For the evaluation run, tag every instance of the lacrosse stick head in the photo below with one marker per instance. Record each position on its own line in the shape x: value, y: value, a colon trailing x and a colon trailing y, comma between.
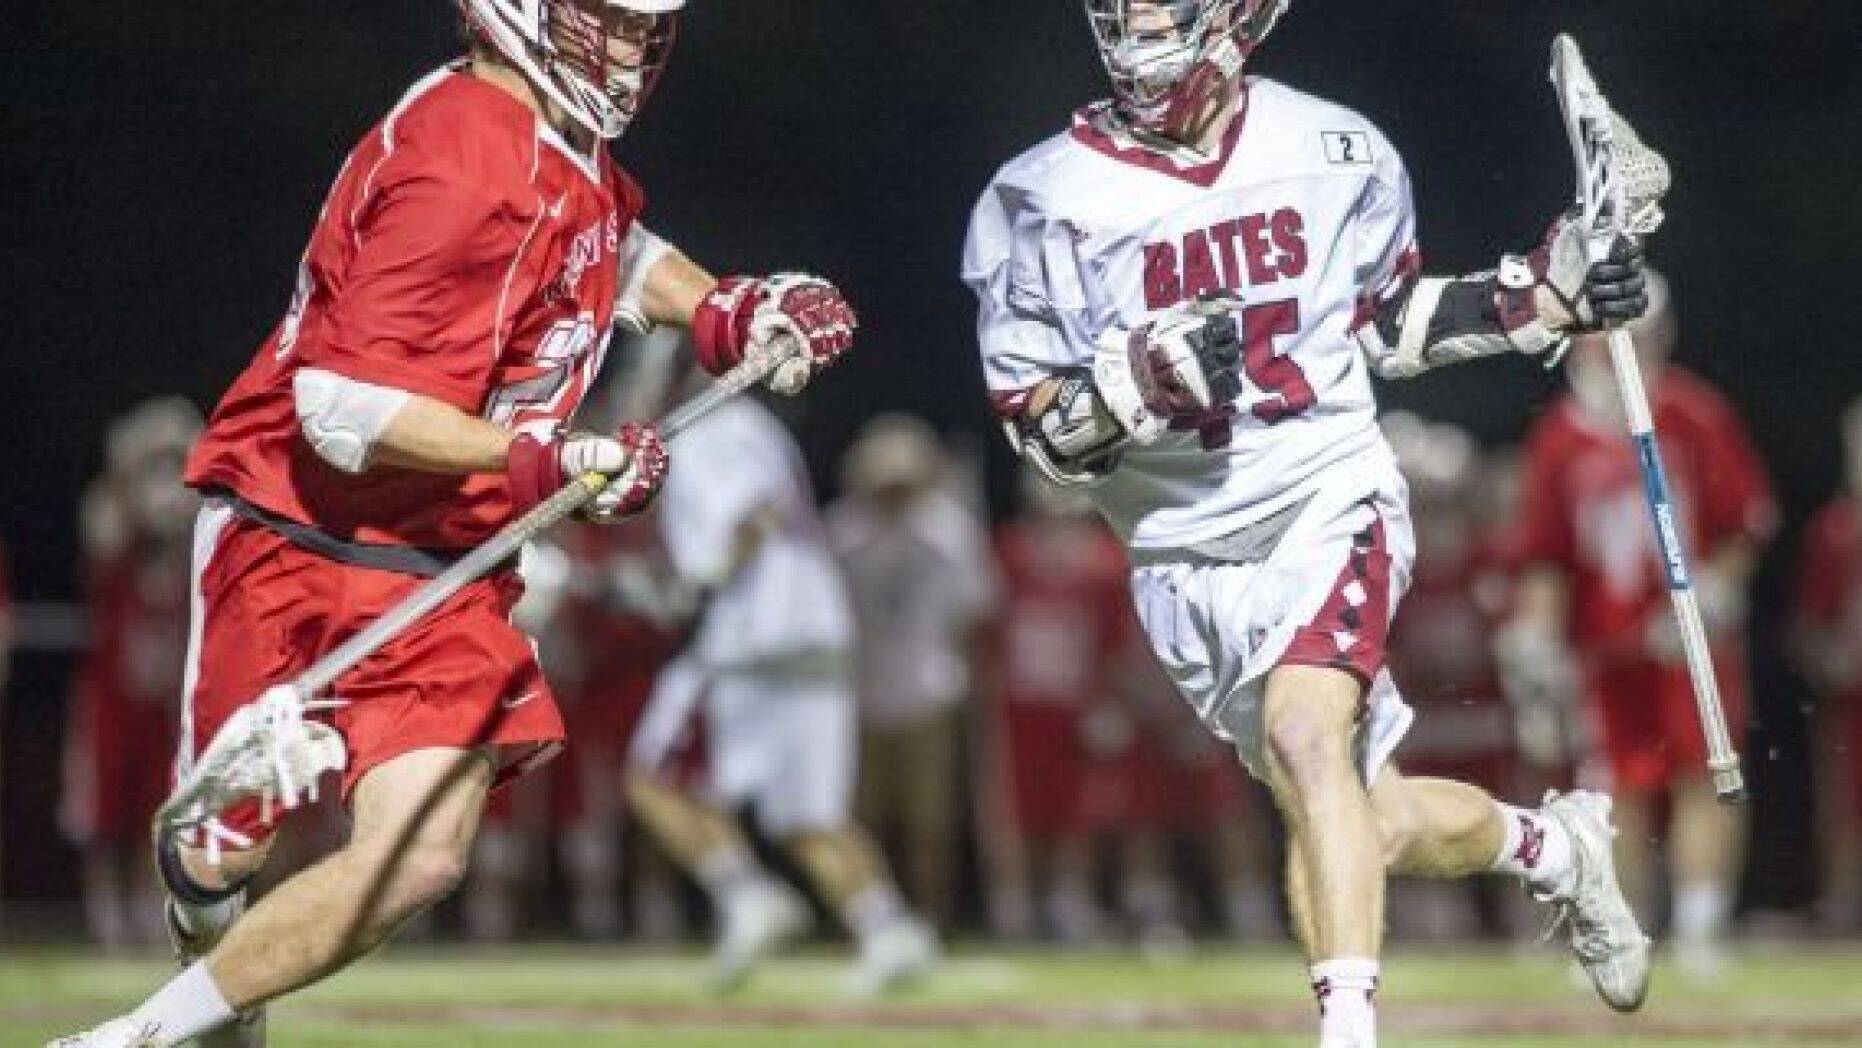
x: 266, y: 751
x: 1621, y: 181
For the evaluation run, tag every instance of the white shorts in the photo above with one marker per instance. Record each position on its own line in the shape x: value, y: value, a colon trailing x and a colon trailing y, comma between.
x: 1321, y: 595
x: 786, y: 747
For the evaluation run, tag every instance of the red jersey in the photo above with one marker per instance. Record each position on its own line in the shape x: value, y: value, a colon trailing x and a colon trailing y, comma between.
x: 1585, y: 513
x: 1829, y: 582
x: 1066, y: 613
x: 466, y: 253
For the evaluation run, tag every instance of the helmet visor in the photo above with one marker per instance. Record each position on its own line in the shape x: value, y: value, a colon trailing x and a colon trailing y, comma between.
x: 1149, y: 46
x: 610, y: 56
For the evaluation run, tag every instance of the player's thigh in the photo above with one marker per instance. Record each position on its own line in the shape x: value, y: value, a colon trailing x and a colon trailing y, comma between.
x: 745, y: 733
x: 424, y: 806
x: 1310, y: 715
x: 815, y: 788
x: 930, y: 775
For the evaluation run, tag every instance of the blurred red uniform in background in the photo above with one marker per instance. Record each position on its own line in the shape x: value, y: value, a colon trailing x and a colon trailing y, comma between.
x: 1586, y: 515
x: 1828, y: 635
x: 126, y: 693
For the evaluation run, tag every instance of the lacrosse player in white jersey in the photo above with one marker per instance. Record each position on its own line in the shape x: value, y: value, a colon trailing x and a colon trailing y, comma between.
x: 1184, y: 297
x: 771, y: 662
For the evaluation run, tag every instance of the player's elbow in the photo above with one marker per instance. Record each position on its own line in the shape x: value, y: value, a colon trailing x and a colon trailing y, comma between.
x: 341, y: 418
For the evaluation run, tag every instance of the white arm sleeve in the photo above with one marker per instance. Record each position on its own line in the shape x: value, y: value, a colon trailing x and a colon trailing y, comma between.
x: 1032, y: 313
x: 639, y: 253
x: 342, y: 418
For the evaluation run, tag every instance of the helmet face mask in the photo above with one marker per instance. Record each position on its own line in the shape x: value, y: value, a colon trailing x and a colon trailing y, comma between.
x: 1168, y: 58
x: 597, y: 60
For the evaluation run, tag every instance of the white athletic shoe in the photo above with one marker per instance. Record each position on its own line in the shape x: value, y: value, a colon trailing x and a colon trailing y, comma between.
x: 193, y: 938
x: 753, y: 922
x: 1605, y: 938
x: 894, y: 956
x: 117, y: 1033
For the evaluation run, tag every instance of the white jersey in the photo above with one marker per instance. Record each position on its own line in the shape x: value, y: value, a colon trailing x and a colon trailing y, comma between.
x: 1305, y: 213
x: 787, y: 600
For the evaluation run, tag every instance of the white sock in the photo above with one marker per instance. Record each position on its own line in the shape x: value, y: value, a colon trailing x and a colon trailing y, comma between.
x: 874, y: 909
x: 1537, y: 849
x: 190, y: 1005
x: 1346, y: 989
x: 1701, y: 910
x: 728, y: 869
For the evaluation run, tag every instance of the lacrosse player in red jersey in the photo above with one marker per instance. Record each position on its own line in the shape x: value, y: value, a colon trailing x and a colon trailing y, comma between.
x: 454, y: 303
x: 1827, y: 636
x: 134, y: 523
x: 1592, y: 594
x: 1184, y: 298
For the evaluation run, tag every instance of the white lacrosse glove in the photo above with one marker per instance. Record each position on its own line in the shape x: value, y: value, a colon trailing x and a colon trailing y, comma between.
x: 1540, y: 684
x: 1594, y: 295
x: 1181, y: 371
x: 790, y: 312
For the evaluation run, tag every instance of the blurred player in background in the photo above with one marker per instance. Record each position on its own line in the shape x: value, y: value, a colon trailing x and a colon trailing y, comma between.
x: 134, y: 522
x: 6, y: 678
x: 1183, y: 299
x: 770, y: 665
x: 607, y: 616
x: 919, y: 573
x: 1593, y: 590
x: 608, y: 612
x: 1187, y: 787
x: 1828, y: 644
x: 452, y: 309
x: 1441, y: 654
x: 1056, y: 767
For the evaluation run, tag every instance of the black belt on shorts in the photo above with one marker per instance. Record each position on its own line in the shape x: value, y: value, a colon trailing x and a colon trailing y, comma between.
x: 405, y: 560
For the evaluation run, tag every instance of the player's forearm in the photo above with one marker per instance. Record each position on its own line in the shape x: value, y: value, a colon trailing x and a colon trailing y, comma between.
x: 673, y: 289
x: 434, y: 437
x: 1734, y: 563
x: 1541, y: 598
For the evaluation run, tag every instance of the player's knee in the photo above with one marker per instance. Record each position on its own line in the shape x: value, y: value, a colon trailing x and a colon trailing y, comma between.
x: 1400, y: 827
x: 1308, y: 748
x: 427, y: 875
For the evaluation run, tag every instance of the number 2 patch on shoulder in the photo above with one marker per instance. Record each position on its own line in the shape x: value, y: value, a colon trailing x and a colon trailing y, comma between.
x: 1351, y: 148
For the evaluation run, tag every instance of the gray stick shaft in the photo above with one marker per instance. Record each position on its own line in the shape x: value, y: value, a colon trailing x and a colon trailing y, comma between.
x: 1722, y: 756
x: 500, y: 547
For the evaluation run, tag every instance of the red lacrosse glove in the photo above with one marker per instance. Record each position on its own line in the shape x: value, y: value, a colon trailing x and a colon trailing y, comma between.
x: 634, y: 458
x: 742, y: 312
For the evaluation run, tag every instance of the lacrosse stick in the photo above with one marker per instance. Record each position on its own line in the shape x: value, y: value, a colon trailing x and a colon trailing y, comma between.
x: 270, y: 750
x: 1621, y: 182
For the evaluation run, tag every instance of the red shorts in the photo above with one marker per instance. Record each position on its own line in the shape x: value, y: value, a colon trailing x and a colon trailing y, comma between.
x: 1060, y: 787
x: 117, y: 759
x: 461, y: 678
x: 587, y: 778
x: 1648, y: 722
x: 1350, y: 631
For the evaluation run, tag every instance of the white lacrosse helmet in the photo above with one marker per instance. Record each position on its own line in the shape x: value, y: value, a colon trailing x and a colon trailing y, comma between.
x: 597, y: 59
x: 1168, y: 57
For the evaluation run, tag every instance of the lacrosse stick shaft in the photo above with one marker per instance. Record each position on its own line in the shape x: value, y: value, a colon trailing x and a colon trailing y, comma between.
x: 500, y: 547
x: 1722, y: 758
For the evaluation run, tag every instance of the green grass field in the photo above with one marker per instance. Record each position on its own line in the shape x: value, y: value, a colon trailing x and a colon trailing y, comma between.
x: 570, y: 998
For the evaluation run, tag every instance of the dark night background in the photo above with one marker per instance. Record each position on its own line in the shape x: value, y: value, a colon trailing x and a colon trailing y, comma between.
x: 163, y: 163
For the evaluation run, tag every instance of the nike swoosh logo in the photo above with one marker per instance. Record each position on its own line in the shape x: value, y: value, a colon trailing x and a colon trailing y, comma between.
x: 511, y: 704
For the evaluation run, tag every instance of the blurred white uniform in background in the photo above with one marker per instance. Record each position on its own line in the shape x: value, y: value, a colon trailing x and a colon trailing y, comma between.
x: 772, y: 655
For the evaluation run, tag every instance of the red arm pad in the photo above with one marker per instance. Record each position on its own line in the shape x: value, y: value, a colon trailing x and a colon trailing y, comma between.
x: 721, y: 324
x: 533, y: 470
